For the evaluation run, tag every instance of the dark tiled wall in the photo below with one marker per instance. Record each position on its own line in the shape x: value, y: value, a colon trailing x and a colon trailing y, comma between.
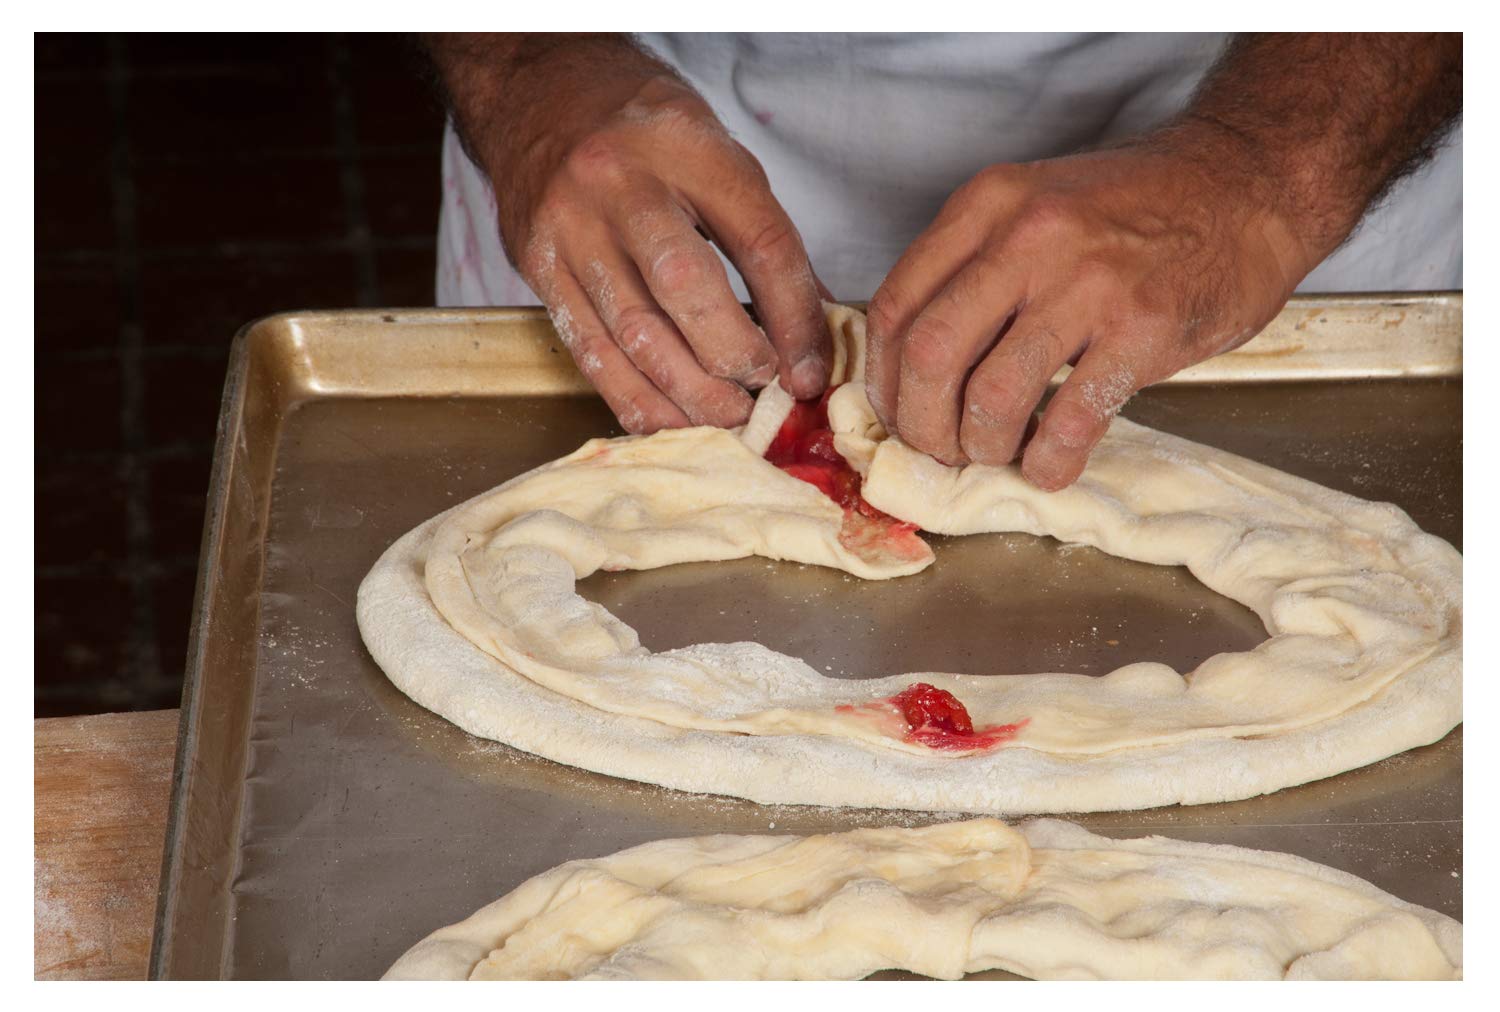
x: 187, y: 184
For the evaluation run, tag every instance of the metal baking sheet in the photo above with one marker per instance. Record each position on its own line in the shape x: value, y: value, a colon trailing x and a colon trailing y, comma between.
x: 322, y: 822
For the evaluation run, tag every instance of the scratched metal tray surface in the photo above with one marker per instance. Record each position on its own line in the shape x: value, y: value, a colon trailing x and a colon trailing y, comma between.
x: 322, y: 822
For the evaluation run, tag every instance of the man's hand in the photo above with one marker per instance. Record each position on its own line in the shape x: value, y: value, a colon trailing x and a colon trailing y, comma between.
x: 611, y: 176
x: 1134, y: 262
x: 1131, y: 263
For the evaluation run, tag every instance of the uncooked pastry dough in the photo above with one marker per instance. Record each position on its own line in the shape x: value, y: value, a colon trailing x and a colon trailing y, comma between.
x: 474, y: 615
x: 1048, y: 901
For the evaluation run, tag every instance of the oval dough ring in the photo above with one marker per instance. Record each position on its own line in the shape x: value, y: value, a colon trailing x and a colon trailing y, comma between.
x: 475, y: 616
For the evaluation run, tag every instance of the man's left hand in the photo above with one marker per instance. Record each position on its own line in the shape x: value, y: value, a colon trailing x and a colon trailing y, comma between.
x: 1129, y: 263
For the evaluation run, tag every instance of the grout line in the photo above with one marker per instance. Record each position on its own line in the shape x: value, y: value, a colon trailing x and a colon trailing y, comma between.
x: 351, y: 179
x: 142, y: 663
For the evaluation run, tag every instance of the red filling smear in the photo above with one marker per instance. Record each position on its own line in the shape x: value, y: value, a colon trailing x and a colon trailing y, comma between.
x: 935, y: 718
x: 803, y: 448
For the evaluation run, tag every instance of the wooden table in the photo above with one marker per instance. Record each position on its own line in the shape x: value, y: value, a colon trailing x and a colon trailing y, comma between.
x: 102, y: 786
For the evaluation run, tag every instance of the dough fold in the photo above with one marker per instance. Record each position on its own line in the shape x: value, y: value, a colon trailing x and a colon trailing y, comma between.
x: 1048, y: 900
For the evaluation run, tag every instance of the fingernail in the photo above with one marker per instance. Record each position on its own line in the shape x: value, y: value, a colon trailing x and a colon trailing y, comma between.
x: 809, y: 376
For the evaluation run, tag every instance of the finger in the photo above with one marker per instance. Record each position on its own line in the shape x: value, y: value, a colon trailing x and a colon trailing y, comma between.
x: 942, y: 346
x: 1006, y: 387
x: 928, y: 264
x: 653, y: 344
x: 640, y: 407
x: 760, y: 240
x: 687, y: 279
x: 1077, y: 418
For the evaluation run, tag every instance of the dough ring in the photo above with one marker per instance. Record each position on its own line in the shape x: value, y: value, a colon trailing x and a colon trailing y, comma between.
x: 1048, y: 901
x: 474, y: 614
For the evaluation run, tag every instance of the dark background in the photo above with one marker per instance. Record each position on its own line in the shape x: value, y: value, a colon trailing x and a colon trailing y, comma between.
x: 185, y: 185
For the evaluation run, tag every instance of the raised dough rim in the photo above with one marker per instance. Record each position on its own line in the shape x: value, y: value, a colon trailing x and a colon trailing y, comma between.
x: 442, y: 671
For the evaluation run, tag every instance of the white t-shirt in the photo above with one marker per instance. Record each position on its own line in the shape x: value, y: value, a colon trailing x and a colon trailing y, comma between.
x: 864, y: 137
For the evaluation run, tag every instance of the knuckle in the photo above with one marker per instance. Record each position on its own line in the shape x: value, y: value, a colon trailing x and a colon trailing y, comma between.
x: 638, y: 328
x: 1044, y: 218
x: 586, y: 353
x: 743, y: 172
x: 677, y: 387
x: 769, y: 244
x: 679, y: 268
x: 563, y: 326
x: 640, y: 415
x: 984, y: 187
x: 1099, y: 278
x: 596, y: 159
x: 932, y: 347
x: 970, y: 287
x: 755, y: 172
x: 1073, y: 425
x: 1038, y: 352
x: 998, y: 175
x: 883, y: 315
x: 640, y: 343
x: 995, y: 399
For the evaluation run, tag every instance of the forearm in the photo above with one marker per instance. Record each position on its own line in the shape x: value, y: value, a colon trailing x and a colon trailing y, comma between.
x: 1328, y: 122
x: 513, y: 95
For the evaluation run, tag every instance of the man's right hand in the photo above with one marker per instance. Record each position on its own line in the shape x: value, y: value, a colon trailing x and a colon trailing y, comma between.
x: 611, y: 175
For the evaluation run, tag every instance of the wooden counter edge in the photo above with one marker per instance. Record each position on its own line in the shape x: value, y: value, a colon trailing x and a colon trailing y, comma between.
x: 102, y: 789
